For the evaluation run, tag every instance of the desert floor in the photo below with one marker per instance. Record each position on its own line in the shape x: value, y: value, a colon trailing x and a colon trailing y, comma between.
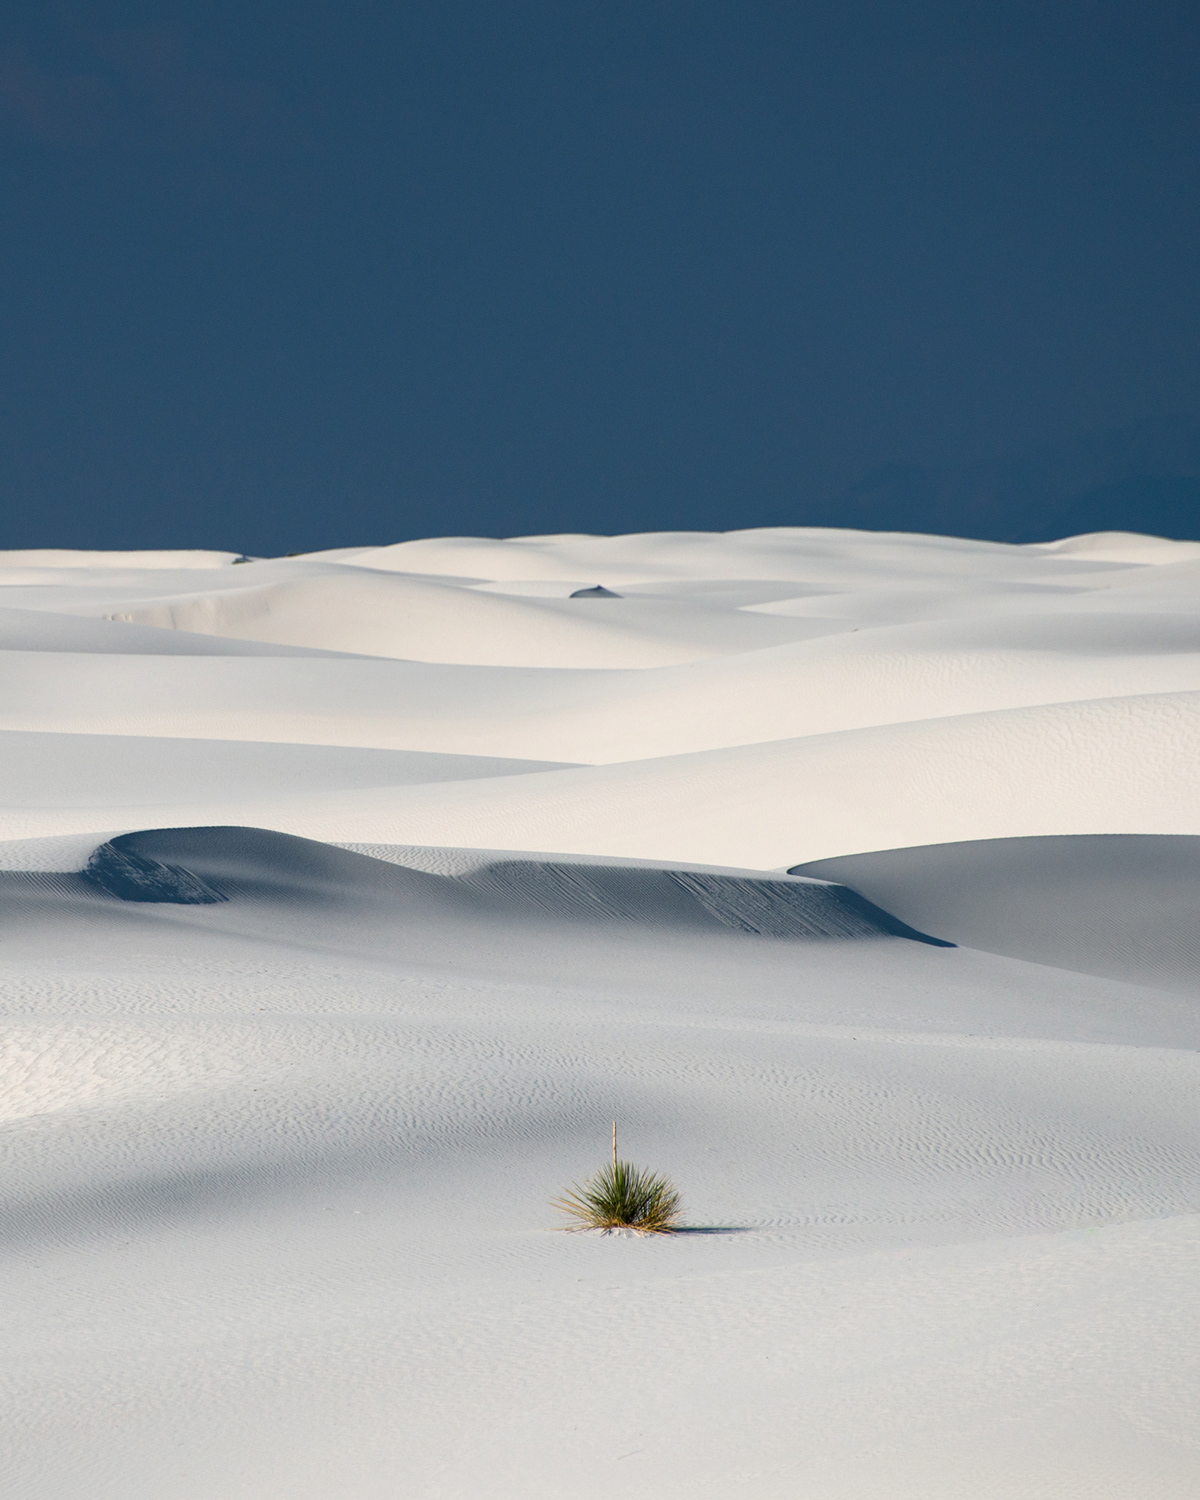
x: 346, y: 899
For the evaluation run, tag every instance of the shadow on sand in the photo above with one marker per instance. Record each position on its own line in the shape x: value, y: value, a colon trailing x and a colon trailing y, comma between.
x: 715, y: 1229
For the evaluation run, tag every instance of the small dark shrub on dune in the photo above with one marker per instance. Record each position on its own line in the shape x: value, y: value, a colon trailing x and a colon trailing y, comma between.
x: 622, y: 1196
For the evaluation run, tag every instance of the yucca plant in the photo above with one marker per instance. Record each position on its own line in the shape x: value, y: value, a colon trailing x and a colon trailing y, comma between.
x: 622, y: 1196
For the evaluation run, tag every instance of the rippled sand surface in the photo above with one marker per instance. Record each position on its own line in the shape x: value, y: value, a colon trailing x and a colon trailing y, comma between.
x: 346, y: 899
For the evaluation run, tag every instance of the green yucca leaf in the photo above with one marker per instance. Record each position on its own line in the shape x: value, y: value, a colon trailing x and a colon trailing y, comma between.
x: 622, y: 1196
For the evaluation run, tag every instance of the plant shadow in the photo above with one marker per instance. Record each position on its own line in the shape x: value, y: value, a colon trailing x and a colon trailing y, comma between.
x: 714, y: 1229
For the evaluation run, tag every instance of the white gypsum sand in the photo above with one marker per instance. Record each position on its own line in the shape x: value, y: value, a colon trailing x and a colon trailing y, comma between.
x: 346, y: 899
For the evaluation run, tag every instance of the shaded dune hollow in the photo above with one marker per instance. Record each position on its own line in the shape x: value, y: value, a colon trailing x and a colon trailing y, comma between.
x: 207, y: 866
x: 1119, y: 906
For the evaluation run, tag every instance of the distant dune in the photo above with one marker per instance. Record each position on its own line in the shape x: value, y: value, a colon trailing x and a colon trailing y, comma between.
x: 346, y: 899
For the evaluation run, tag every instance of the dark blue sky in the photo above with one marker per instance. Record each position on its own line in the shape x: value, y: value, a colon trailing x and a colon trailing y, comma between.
x: 275, y: 278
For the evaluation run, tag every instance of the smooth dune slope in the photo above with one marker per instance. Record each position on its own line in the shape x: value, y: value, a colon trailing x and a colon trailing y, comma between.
x: 1126, y: 907
x: 346, y: 899
x: 1121, y: 765
x: 554, y: 678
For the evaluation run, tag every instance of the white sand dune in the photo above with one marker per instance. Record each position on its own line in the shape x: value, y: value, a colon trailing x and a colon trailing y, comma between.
x: 1120, y: 765
x: 346, y: 899
x: 1117, y: 905
x: 503, y: 686
x: 57, y: 772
